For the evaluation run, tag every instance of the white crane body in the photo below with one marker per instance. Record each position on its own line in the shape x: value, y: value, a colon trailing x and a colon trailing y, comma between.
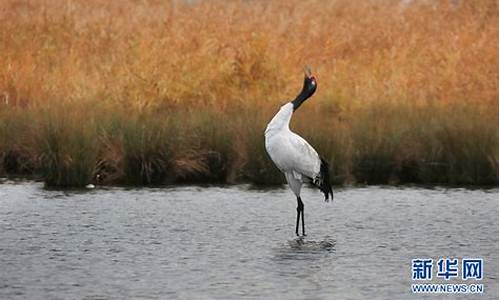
x: 290, y: 152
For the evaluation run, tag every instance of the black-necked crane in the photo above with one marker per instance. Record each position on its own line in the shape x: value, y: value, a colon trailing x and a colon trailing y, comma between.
x: 293, y: 155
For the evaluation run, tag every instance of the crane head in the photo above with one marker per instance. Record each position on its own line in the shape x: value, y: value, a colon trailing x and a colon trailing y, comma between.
x: 308, y: 89
x: 310, y: 83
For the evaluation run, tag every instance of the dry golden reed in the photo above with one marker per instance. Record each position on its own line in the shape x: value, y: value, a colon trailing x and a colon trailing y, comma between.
x: 155, y: 92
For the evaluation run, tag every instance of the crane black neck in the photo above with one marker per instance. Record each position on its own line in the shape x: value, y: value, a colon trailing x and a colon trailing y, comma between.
x: 308, y: 90
x: 297, y: 102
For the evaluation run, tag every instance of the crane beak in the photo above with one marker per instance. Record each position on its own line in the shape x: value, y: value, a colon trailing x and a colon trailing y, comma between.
x: 307, y: 71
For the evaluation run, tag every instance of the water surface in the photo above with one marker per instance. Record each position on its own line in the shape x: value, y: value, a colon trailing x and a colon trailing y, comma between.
x: 235, y: 242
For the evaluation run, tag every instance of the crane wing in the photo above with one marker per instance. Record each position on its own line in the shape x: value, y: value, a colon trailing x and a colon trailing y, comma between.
x: 311, y: 165
x: 306, y: 161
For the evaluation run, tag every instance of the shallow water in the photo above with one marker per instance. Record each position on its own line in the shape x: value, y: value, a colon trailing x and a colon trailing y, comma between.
x: 235, y: 242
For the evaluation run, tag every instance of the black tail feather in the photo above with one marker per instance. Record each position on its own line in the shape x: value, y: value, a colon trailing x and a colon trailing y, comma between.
x: 324, y: 184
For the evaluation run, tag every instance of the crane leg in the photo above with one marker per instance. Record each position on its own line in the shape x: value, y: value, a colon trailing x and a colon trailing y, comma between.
x: 300, y: 211
x: 298, y: 218
x: 302, y: 214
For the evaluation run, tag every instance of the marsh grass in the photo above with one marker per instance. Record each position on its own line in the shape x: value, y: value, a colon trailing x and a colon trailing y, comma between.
x: 156, y: 92
x: 65, y: 146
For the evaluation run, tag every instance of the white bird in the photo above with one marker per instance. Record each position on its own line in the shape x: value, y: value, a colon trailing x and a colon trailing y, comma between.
x: 293, y: 155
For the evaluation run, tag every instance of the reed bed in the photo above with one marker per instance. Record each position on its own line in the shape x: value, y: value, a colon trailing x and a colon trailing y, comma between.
x: 159, y: 92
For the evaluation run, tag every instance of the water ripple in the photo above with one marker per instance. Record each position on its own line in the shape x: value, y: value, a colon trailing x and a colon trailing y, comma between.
x: 236, y: 242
